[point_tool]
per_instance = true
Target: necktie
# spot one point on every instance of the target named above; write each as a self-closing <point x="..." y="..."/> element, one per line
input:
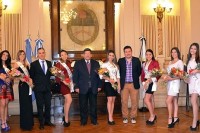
<point x="43" y="67"/>
<point x="88" y="66"/>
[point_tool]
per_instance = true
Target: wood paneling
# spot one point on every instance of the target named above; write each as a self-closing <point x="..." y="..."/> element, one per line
<point x="117" y="1"/>
<point x="58" y="101"/>
<point x="74" y="55"/>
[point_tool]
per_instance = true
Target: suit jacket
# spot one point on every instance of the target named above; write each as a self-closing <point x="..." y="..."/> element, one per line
<point x="152" y="65"/>
<point x="136" y="71"/>
<point x="81" y="76"/>
<point x="41" y="81"/>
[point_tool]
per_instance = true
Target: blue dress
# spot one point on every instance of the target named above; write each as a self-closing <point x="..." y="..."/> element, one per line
<point x="6" y="90"/>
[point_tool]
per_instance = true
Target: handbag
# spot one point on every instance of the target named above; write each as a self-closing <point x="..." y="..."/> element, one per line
<point x="55" y="87"/>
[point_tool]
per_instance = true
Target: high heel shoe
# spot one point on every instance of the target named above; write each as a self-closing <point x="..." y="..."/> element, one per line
<point x="195" y="128"/>
<point x="151" y="122"/>
<point x="111" y="122"/>
<point x="171" y="125"/>
<point x="65" y="124"/>
<point x="177" y="121"/>
<point x="6" y="128"/>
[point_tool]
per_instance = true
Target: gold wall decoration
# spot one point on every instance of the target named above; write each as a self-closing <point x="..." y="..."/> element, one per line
<point x="160" y="39"/>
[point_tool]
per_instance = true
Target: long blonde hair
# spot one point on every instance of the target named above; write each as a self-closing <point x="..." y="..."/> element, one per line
<point x="25" y="61"/>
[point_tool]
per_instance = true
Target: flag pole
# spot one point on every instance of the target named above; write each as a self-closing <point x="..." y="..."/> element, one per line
<point x="143" y="58"/>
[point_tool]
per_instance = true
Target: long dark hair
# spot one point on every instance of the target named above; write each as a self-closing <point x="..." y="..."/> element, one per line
<point x="151" y="51"/>
<point x="115" y="59"/>
<point x="197" y="58"/>
<point x="7" y="62"/>
<point x="177" y="51"/>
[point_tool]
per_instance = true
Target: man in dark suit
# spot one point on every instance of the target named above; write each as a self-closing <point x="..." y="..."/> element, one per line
<point x="40" y="74"/>
<point x="87" y="84"/>
<point x="130" y="70"/>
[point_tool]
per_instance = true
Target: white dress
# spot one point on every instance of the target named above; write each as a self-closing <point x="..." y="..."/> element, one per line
<point x="194" y="82"/>
<point x="174" y="85"/>
<point x="113" y="71"/>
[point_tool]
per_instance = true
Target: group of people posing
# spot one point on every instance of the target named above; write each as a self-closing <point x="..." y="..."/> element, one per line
<point x="87" y="82"/>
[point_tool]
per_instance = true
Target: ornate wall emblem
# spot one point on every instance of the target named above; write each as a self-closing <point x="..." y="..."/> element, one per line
<point x="84" y="28"/>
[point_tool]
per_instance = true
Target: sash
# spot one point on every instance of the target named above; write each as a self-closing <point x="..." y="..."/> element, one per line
<point x="24" y="69"/>
<point x="7" y="72"/>
<point x="154" y="87"/>
<point x="6" y="69"/>
<point x="70" y="75"/>
<point x="148" y="75"/>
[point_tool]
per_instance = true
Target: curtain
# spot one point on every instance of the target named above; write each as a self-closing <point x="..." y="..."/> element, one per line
<point x="172" y="33"/>
<point x="0" y="26"/>
<point x="12" y="33"/>
<point x="148" y="29"/>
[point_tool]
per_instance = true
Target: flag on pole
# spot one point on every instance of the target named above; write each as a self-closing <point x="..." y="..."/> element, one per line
<point x="143" y="48"/>
<point x="29" y="54"/>
<point x="38" y="44"/>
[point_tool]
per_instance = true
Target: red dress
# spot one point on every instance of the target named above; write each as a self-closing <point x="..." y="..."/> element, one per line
<point x="64" y="88"/>
<point x="152" y="65"/>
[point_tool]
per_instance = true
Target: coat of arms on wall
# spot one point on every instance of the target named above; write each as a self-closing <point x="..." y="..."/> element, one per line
<point x="85" y="27"/>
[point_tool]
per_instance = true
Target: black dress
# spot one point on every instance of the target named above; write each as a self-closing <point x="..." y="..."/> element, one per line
<point x="109" y="90"/>
<point x="26" y="107"/>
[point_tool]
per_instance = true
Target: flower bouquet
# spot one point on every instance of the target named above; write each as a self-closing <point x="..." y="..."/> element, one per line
<point x="68" y="81"/>
<point x="197" y="68"/>
<point x="27" y="80"/>
<point x="105" y="73"/>
<point x="156" y="73"/>
<point x="176" y="73"/>
<point x="14" y="73"/>
<point x="57" y="72"/>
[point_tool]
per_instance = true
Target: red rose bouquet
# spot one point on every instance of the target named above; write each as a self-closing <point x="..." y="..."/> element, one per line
<point x="28" y="80"/>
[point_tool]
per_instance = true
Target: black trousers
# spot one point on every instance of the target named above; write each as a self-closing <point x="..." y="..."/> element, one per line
<point x="43" y="99"/>
<point x="83" y="103"/>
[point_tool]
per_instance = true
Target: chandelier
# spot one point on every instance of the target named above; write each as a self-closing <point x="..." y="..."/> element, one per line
<point x="161" y="6"/>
